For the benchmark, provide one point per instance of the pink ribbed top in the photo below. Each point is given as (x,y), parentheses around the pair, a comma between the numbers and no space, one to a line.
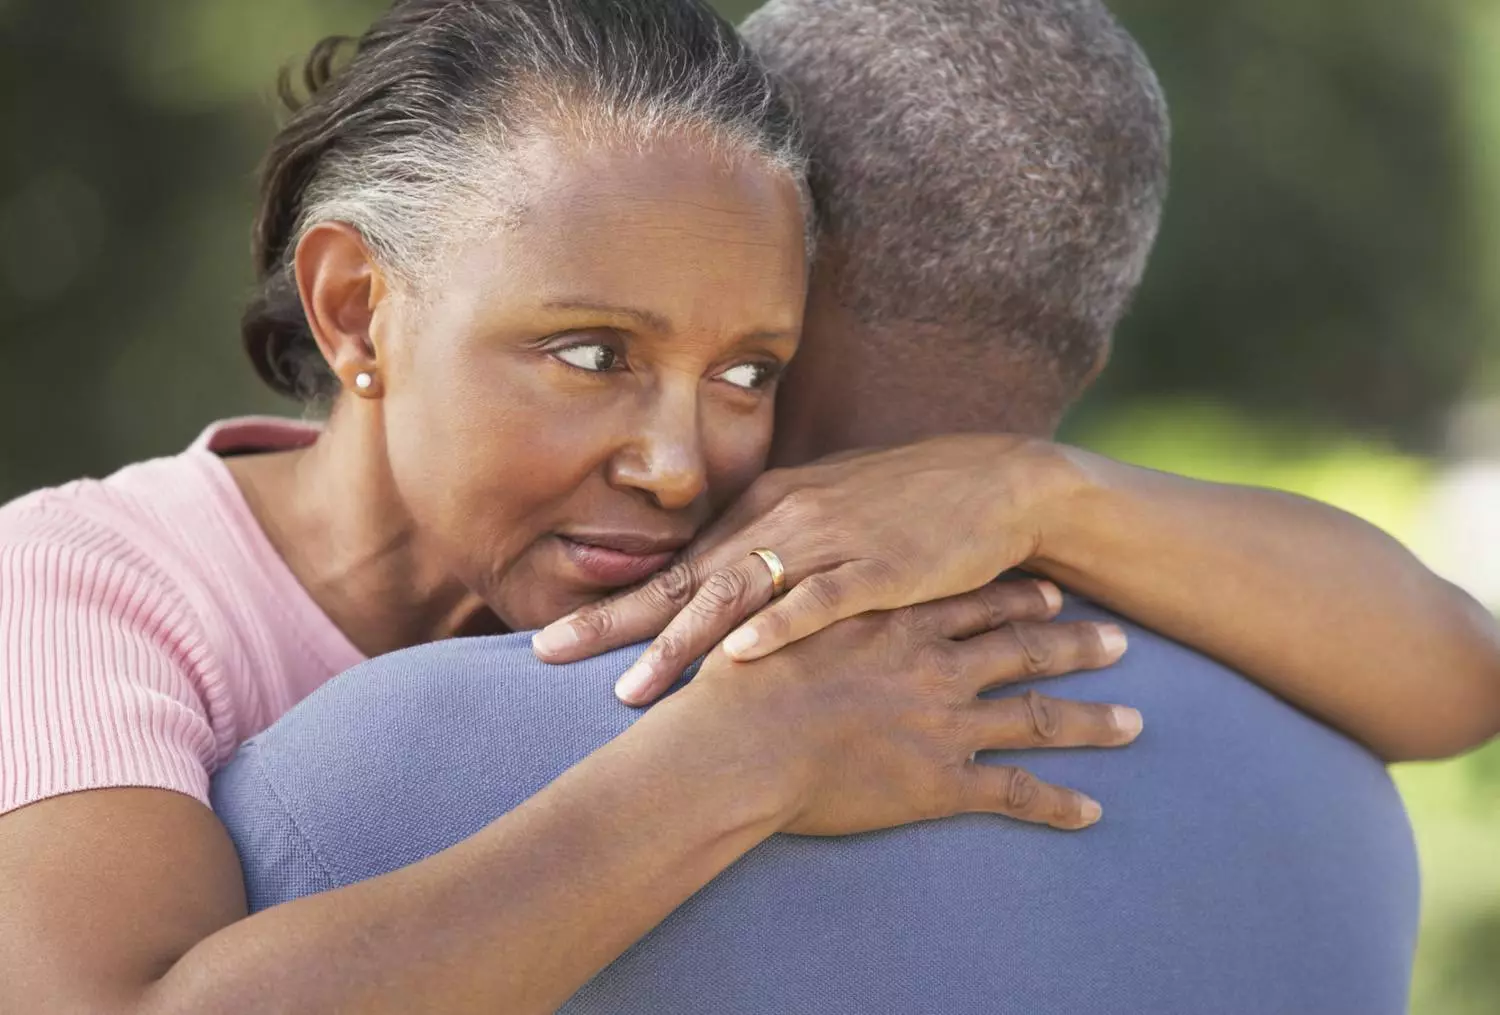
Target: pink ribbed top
(148,626)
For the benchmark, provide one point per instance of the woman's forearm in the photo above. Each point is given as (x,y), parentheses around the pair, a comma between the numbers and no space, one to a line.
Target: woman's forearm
(1318,606)
(517,917)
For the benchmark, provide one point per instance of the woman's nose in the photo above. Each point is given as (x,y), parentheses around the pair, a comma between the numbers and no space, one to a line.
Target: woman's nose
(665,458)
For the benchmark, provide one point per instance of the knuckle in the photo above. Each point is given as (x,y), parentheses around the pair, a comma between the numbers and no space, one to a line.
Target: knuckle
(798,507)
(667,649)
(1019,790)
(878,574)
(951,729)
(675,587)
(1042,714)
(910,619)
(722,590)
(937,662)
(594,622)
(822,591)
(994,606)
(1031,645)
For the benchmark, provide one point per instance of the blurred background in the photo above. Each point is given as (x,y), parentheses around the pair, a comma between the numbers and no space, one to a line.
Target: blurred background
(1322,314)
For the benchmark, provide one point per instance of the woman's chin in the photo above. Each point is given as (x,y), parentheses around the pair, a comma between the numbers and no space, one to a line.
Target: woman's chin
(546,601)
(563,576)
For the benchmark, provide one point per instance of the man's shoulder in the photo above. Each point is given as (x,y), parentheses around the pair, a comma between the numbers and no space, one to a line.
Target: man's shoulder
(440,685)
(419,749)
(1197,707)
(409,753)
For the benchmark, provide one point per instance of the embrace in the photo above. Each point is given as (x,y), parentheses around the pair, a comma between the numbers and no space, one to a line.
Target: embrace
(684,606)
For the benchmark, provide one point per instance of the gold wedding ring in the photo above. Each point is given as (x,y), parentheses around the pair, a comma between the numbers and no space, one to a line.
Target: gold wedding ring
(778,572)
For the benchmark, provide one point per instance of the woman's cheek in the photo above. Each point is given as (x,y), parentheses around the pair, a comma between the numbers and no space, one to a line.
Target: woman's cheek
(461,461)
(521,464)
(519,461)
(737,448)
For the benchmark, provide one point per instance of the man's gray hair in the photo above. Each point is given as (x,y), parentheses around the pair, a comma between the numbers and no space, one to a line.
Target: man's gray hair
(997,167)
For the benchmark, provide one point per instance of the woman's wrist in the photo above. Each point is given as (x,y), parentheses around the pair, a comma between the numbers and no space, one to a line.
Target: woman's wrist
(1067,508)
(719,731)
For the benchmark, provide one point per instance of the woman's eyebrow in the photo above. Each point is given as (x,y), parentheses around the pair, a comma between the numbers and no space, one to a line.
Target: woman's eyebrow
(769,335)
(653,321)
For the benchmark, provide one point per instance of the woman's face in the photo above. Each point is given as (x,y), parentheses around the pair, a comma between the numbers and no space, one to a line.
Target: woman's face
(586,386)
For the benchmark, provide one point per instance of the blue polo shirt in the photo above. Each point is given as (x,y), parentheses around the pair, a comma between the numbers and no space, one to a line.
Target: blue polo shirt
(1251,861)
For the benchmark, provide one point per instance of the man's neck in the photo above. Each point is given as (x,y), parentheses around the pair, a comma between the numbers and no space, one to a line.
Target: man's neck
(858,385)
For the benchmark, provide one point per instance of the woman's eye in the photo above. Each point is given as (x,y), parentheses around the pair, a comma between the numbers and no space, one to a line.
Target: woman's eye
(595,357)
(750,376)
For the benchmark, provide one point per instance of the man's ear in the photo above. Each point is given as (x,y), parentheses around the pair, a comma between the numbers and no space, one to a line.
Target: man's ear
(341,286)
(1100,362)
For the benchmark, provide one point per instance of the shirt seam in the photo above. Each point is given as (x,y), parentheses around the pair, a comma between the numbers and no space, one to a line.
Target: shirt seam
(323,867)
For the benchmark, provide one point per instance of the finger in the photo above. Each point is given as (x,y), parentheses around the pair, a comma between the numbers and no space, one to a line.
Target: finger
(1032,720)
(1016,793)
(815,602)
(624,619)
(1029,651)
(989,607)
(727,597)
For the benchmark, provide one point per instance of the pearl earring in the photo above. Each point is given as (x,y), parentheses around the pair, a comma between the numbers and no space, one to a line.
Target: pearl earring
(363,381)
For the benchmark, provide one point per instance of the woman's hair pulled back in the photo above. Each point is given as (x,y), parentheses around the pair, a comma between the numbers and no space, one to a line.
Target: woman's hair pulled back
(405,132)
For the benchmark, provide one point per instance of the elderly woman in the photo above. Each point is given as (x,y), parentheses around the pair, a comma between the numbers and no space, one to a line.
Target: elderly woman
(546,258)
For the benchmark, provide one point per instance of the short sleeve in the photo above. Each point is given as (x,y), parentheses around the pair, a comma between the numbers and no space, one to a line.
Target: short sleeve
(98,659)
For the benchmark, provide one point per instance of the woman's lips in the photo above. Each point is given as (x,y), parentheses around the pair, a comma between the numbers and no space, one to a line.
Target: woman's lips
(604,565)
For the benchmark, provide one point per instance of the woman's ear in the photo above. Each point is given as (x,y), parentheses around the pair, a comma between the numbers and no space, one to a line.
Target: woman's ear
(341,287)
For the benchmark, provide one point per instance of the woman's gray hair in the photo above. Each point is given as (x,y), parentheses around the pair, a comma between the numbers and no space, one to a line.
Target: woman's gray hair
(413,140)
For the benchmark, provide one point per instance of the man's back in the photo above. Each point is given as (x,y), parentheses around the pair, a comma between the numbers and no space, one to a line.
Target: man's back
(1249,860)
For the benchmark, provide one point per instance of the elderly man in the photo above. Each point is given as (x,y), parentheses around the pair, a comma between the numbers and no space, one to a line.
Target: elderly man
(991,176)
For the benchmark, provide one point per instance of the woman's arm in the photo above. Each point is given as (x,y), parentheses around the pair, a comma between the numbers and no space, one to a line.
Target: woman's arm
(130,901)
(1320,607)
(1316,605)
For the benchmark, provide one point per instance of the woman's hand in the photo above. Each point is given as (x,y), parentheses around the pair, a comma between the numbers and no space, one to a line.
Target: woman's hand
(867,531)
(878,718)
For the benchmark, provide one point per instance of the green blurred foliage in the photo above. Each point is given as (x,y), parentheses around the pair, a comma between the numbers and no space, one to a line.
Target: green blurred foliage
(126,190)
(1317,259)
(1471,962)
(1321,295)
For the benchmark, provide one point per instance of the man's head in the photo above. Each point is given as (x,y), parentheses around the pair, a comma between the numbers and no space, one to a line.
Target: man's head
(990,175)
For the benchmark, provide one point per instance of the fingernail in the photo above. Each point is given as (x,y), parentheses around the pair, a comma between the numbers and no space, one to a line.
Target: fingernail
(559,636)
(1092,812)
(1113,638)
(1126,720)
(741,641)
(632,683)
(1051,594)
